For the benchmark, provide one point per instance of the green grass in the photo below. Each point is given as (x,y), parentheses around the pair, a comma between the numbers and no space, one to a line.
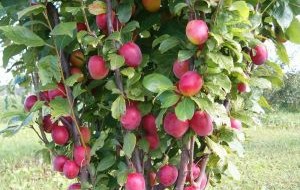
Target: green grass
(271,162)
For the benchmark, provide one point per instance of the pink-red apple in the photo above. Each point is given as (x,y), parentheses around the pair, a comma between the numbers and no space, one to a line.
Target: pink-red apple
(190,83)
(235,124)
(59,162)
(153,141)
(70,170)
(60,91)
(82,155)
(86,134)
(259,54)
(167,175)
(197,31)
(44,96)
(81,26)
(135,181)
(60,134)
(180,68)
(190,188)
(75,186)
(132,54)
(132,117)
(29,102)
(196,172)
(77,58)
(242,87)
(74,71)
(201,123)
(97,67)
(151,5)
(175,127)
(48,124)
(149,125)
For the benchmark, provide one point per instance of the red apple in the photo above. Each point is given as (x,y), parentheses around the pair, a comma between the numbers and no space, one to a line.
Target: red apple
(29,102)
(203,182)
(180,68)
(151,5)
(132,54)
(236,124)
(167,175)
(242,87)
(259,54)
(60,91)
(190,83)
(175,127)
(202,124)
(86,134)
(196,172)
(60,134)
(153,141)
(69,119)
(135,181)
(74,71)
(132,117)
(44,96)
(59,162)
(75,186)
(81,27)
(149,125)
(190,188)
(77,58)
(82,155)
(97,67)
(197,31)
(152,179)
(48,124)
(70,170)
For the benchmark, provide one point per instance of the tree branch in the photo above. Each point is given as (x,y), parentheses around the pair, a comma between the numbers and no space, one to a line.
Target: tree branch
(183,167)
(191,162)
(203,164)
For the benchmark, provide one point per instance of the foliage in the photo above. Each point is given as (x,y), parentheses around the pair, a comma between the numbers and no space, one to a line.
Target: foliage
(41,41)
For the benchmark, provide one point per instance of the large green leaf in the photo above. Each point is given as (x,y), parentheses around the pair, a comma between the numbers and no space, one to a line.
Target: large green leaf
(118,107)
(157,83)
(185,109)
(48,69)
(283,13)
(22,35)
(11,51)
(59,107)
(129,144)
(293,31)
(64,28)
(168,99)
(36,9)
(216,148)
(168,44)
(106,162)
(223,61)
(241,7)
(282,53)
(124,12)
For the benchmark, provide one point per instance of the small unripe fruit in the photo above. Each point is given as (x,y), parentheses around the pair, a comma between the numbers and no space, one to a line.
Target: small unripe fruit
(48,124)
(86,134)
(151,5)
(97,67)
(180,68)
(196,172)
(60,91)
(75,186)
(259,54)
(82,155)
(235,124)
(132,54)
(202,124)
(153,141)
(167,175)
(190,83)
(149,125)
(81,26)
(29,102)
(152,179)
(132,117)
(60,134)
(197,31)
(135,181)
(59,162)
(242,87)
(74,71)
(70,170)
(175,127)
(77,59)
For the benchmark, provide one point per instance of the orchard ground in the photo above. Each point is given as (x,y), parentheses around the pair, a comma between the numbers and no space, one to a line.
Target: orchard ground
(272,159)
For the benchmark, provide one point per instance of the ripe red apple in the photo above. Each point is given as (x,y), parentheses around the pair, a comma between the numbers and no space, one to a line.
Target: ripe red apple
(242,87)
(132,54)
(86,134)
(44,96)
(59,162)
(151,5)
(75,186)
(196,172)
(60,134)
(175,127)
(48,124)
(153,141)
(74,71)
(29,102)
(180,68)
(152,179)
(149,125)
(190,83)
(197,31)
(236,124)
(201,123)
(97,67)
(82,155)
(60,91)
(190,188)
(77,58)
(167,175)
(101,21)
(81,27)
(132,117)
(70,170)
(259,54)
(135,181)
(69,119)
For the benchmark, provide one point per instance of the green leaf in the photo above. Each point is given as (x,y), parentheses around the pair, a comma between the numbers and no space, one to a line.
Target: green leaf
(64,28)
(260,83)
(77,90)
(11,51)
(185,109)
(185,55)
(73,10)
(22,35)
(129,72)
(293,31)
(36,9)
(221,80)
(71,80)
(48,69)
(168,44)
(97,8)
(216,148)
(118,107)
(99,143)
(157,83)
(59,107)
(236,146)
(223,61)
(129,144)
(283,14)
(264,103)
(233,171)
(122,177)
(168,99)
(124,12)
(131,26)
(282,53)
(159,118)
(106,163)
(178,8)
(159,40)
(116,61)
(241,7)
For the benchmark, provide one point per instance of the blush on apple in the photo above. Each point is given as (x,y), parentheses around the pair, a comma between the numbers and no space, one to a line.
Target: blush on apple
(190,83)
(60,91)
(259,54)
(48,124)
(153,141)
(132,117)
(175,127)
(60,134)
(97,67)
(29,102)
(131,53)
(242,87)
(75,186)
(236,124)
(82,155)
(74,71)
(201,123)
(86,134)
(70,169)
(180,68)
(135,181)
(167,175)
(59,162)
(81,27)
(149,125)
(197,31)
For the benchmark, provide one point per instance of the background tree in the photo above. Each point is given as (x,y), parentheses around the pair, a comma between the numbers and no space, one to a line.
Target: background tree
(144,94)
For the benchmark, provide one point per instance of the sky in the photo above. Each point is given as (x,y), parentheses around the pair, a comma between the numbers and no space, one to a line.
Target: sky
(292,49)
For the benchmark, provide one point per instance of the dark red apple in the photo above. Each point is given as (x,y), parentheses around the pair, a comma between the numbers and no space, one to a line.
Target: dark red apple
(44,96)
(180,68)
(75,186)
(190,188)
(86,134)
(135,181)
(77,59)
(59,162)
(97,67)
(60,134)
(196,172)
(29,102)
(70,170)
(81,27)
(201,123)
(132,54)
(167,175)
(242,87)
(190,83)
(149,125)
(175,127)
(48,124)
(259,54)
(82,155)
(60,91)
(197,31)
(132,117)
(74,71)
(153,141)
(236,124)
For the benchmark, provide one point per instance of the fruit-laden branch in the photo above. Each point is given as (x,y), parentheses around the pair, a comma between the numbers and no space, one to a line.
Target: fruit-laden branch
(203,164)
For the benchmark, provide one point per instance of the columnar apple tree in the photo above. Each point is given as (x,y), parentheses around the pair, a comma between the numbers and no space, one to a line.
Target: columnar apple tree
(144,94)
